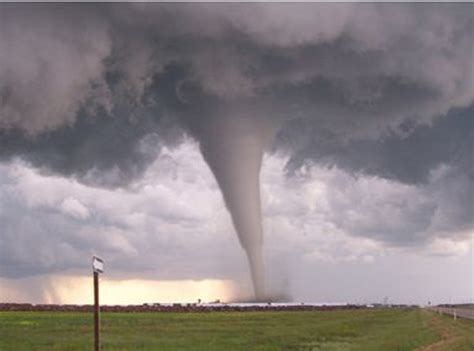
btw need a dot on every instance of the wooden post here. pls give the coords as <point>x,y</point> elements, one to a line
<point>97,267</point>
<point>96,312</point>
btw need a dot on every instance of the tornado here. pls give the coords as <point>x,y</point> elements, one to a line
<point>233,147</point>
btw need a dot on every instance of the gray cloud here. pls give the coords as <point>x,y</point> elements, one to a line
<point>52,63</point>
<point>51,224</point>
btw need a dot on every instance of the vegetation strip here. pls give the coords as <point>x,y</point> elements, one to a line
<point>357,329</point>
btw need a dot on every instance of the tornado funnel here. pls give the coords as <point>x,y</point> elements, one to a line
<point>233,149</point>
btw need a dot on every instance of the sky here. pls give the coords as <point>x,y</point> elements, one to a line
<point>117,119</point>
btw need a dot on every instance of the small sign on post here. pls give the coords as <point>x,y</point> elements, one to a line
<point>97,267</point>
<point>97,264</point>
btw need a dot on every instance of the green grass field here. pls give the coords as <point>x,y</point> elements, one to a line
<point>333,330</point>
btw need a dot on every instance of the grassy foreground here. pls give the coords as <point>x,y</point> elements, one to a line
<point>331,330</point>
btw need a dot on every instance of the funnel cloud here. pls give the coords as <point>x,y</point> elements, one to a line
<point>233,148</point>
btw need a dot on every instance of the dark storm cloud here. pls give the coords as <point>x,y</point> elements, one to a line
<point>83,85</point>
<point>366,67</point>
<point>407,156</point>
<point>108,148</point>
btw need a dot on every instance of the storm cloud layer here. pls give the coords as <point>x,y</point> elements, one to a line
<point>94,92</point>
<point>77,78</point>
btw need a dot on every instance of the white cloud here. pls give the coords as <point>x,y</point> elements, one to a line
<point>74,208</point>
<point>449,247</point>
